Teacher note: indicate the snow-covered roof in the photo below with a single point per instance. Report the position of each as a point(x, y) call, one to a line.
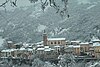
point(77, 46)
point(70, 46)
point(75, 41)
point(49, 49)
point(40, 45)
point(46, 47)
point(56, 39)
point(34, 48)
point(8, 50)
point(57, 46)
point(9, 42)
point(74, 46)
point(22, 49)
point(26, 44)
point(84, 43)
point(96, 44)
point(40, 42)
point(67, 41)
point(96, 40)
point(40, 49)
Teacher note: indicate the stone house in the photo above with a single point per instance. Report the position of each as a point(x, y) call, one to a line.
point(7, 53)
point(84, 47)
point(96, 49)
point(75, 42)
point(46, 53)
point(75, 49)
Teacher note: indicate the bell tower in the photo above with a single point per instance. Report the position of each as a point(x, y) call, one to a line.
point(44, 38)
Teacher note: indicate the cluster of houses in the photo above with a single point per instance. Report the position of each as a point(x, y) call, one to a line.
point(51, 48)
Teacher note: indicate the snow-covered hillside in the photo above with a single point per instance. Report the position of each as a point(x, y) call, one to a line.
point(26, 23)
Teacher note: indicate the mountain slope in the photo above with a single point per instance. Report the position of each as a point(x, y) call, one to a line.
point(26, 24)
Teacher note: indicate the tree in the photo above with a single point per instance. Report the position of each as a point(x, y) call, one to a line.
point(44, 4)
point(37, 63)
point(66, 60)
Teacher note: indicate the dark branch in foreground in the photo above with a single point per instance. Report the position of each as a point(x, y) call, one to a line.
point(3, 4)
point(44, 4)
point(13, 3)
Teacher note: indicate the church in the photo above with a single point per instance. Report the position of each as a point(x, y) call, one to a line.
point(53, 41)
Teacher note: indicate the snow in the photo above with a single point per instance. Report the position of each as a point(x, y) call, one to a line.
point(40, 49)
point(56, 39)
point(41, 27)
point(36, 12)
point(46, 47)
point(1, 30)
point(72, 46)
point(1, 41)
point(39, 42)
point(95, 39)
point(91, 6)
point(24, 8)
point(19, 4)
point(8, 50)
point(52, 34)
point(40, 45)
point(57, 46)
point(77, 46)
point(64, 30)
point(25, 44)
point(94, 64)
point(9, 41)
point(84, 43)
point(84, 2)
point(96, 44)
point(22, 49)
point(47, 50)
point(30, 49)
point(35, 15)
point(34, 48)
point(75, 41)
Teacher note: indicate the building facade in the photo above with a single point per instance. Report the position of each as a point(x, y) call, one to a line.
point(53, 41)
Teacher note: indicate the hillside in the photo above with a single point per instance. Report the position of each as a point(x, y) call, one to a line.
point(26, 24)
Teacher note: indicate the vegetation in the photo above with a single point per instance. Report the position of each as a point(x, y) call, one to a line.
point(44, 4)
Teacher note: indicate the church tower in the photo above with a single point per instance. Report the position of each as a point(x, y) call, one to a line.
point(44, 38)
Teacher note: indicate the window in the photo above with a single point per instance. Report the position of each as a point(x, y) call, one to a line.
point(51, 42)
point(85, 48)
point(58, 42)
point(55, 42)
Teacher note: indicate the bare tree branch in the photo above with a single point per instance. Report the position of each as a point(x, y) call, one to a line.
point(4, 3)
point(43, 5)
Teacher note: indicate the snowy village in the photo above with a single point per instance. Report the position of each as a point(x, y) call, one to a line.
point(49, 33)
point(51, 50)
